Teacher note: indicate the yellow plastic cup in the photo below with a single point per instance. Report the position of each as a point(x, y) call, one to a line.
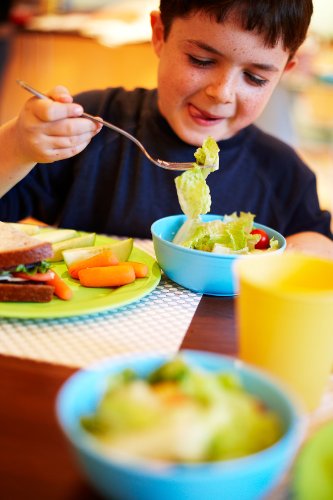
point(284, 314)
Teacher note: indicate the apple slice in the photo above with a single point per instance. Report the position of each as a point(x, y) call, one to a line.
point(59, 247)
point(30, 229)
point(53, 236)
point(122, 250)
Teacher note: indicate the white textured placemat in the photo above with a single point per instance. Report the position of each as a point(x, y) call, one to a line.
point(156, 323)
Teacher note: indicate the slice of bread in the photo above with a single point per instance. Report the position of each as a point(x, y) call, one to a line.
point(16, 247)
point(27, 291)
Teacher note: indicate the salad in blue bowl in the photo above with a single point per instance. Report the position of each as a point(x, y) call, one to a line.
point(198, 425)
point(197, 250)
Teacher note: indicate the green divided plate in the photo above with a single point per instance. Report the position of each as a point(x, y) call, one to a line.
point(88, 300)
point(313, 470)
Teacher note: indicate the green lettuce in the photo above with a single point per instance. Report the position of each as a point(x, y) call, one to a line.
point(193, 193)
point(230, 235)
point(208, 154)
point(192, 190)
point(233, 234)
point(181, 413)
point(39, 267)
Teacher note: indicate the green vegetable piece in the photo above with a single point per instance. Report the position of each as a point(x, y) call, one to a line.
point(193, 193)
point(181, 413)
point(248, 429)
point(39, 267)
point(192, 189)
point(208, 154)
point(174, 370)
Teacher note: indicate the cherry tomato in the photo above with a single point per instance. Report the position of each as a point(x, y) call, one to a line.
point(49, 275)
point(263, 243)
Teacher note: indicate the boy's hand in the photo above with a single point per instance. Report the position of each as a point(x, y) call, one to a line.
point(311, 243)
point(51, 129)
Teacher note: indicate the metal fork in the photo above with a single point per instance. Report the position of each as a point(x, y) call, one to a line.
point(160, 163)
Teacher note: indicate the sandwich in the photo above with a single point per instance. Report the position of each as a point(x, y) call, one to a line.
point(24, 272)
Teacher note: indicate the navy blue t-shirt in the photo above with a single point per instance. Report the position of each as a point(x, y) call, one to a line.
point(112, 188)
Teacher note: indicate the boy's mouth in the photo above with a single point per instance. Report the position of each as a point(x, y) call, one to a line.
point(203, 117)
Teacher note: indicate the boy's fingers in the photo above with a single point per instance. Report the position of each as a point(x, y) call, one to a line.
point(67, 142)
point(63, 147)
point(47, 110)
point(72, 128)
point(61, 94)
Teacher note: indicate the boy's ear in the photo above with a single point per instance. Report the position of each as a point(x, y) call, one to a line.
point(157, 31)
point(291, 64)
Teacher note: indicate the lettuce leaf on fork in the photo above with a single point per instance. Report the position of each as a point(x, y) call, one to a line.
point(192, 190)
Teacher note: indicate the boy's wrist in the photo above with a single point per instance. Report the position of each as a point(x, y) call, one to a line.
point(16, 155)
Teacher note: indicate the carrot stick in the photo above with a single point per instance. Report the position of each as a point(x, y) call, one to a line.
point(118, 275)
point(140, 269)
point(61, 289)
point(105, 258)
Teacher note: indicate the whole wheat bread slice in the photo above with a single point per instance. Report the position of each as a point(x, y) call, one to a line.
point(26, 292)
point(16, 247)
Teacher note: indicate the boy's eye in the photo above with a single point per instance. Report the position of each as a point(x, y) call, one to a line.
point(202, 63)
point(255, 80)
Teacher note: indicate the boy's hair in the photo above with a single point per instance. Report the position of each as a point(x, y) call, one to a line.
point(287, 20)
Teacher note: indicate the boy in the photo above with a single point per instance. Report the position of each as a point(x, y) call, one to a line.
point(220, 61)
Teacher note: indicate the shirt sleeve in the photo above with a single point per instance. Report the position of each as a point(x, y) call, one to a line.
point(308, 215)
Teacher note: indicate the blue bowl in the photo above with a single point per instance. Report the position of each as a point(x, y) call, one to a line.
point(202, 272)
point(242, 479)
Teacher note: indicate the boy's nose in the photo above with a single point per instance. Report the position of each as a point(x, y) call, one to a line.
point(222, 90)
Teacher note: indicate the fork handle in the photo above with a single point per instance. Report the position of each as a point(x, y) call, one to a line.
point(110, 125)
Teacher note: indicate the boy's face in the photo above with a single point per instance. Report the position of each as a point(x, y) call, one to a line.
point(214, 79)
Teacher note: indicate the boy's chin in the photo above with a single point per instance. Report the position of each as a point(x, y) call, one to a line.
point(196, 138)
point(195, 135)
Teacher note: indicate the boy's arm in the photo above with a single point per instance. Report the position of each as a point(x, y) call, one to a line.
point(311, 243)
point(46, 130)
point(13, 167)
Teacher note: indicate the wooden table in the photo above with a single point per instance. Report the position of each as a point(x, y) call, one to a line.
point(35, 462)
